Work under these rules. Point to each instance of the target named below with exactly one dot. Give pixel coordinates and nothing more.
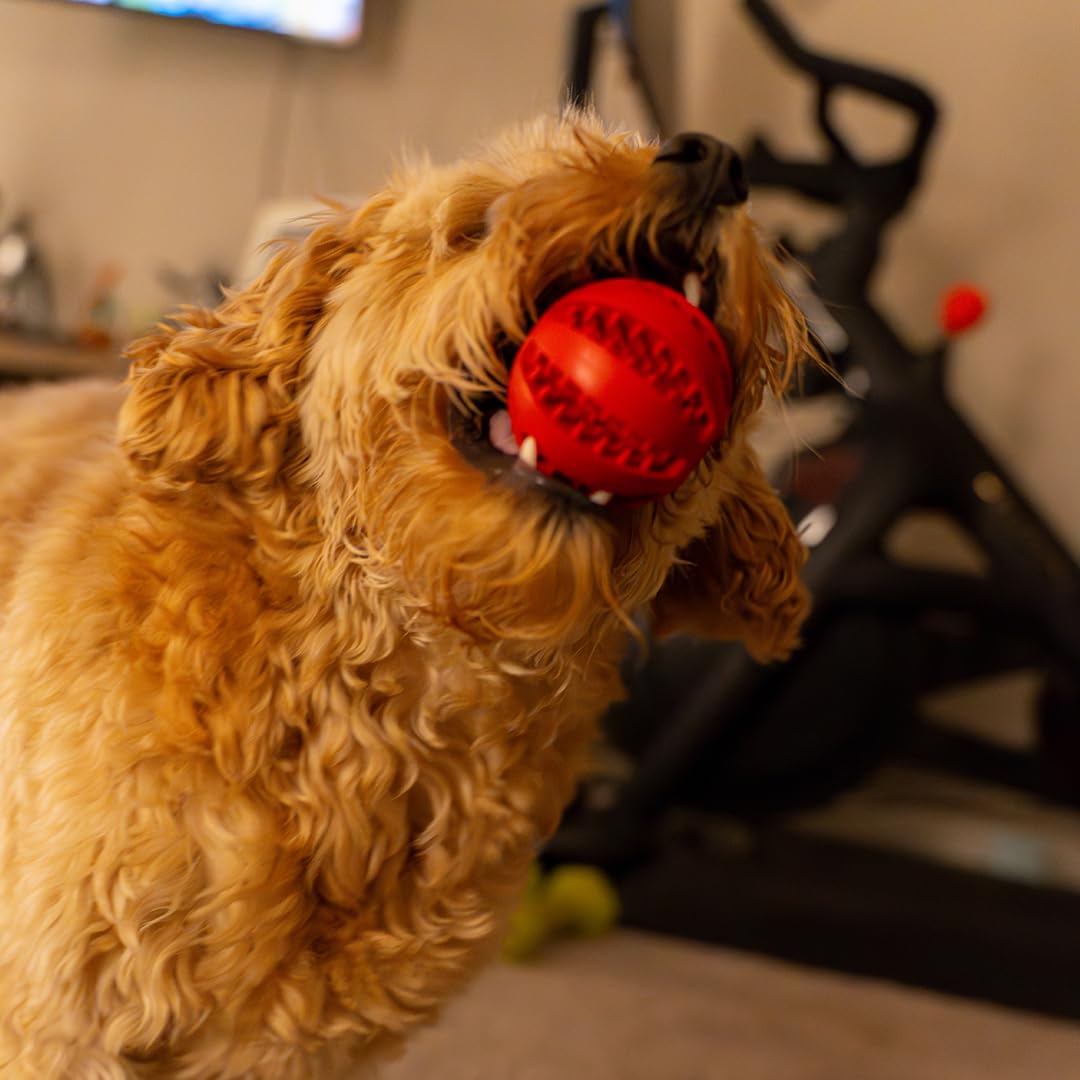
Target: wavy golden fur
(289, 690)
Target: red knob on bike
(962, 307)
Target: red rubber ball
(624, 385)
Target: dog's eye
(466, 235)
(464, 220)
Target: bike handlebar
(842, 179)
(871, 194)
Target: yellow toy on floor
(571, 901)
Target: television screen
(336, 21)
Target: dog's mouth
(482, 432)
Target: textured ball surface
(624, 385)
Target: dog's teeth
(691, 288)
(601, 498)
(527, 453)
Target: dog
(295, 673)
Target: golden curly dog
(293, 677)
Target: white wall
(148, 141)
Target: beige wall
(150, 142)
(1001, 202)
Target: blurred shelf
(43, 358)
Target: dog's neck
(254, 603)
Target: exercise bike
(709, 731)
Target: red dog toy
(624, 385)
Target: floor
(636, 1007)
(639, 1007)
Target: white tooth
(527, 453)
(601, 498)
(691, 288)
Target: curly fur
(289, 692)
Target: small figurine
(98, 324)
(25, 289)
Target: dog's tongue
(501, 434)
(624, 385)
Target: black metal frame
(915, 451)
(697, 708)
(844, 906)
(579, 78)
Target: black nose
(712, 171)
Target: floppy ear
(203, 405)
(213, 396)
(741, 579)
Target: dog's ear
(213, 395)
(740, 581)
(201, 407)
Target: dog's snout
(711, 169)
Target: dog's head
(352, 388)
